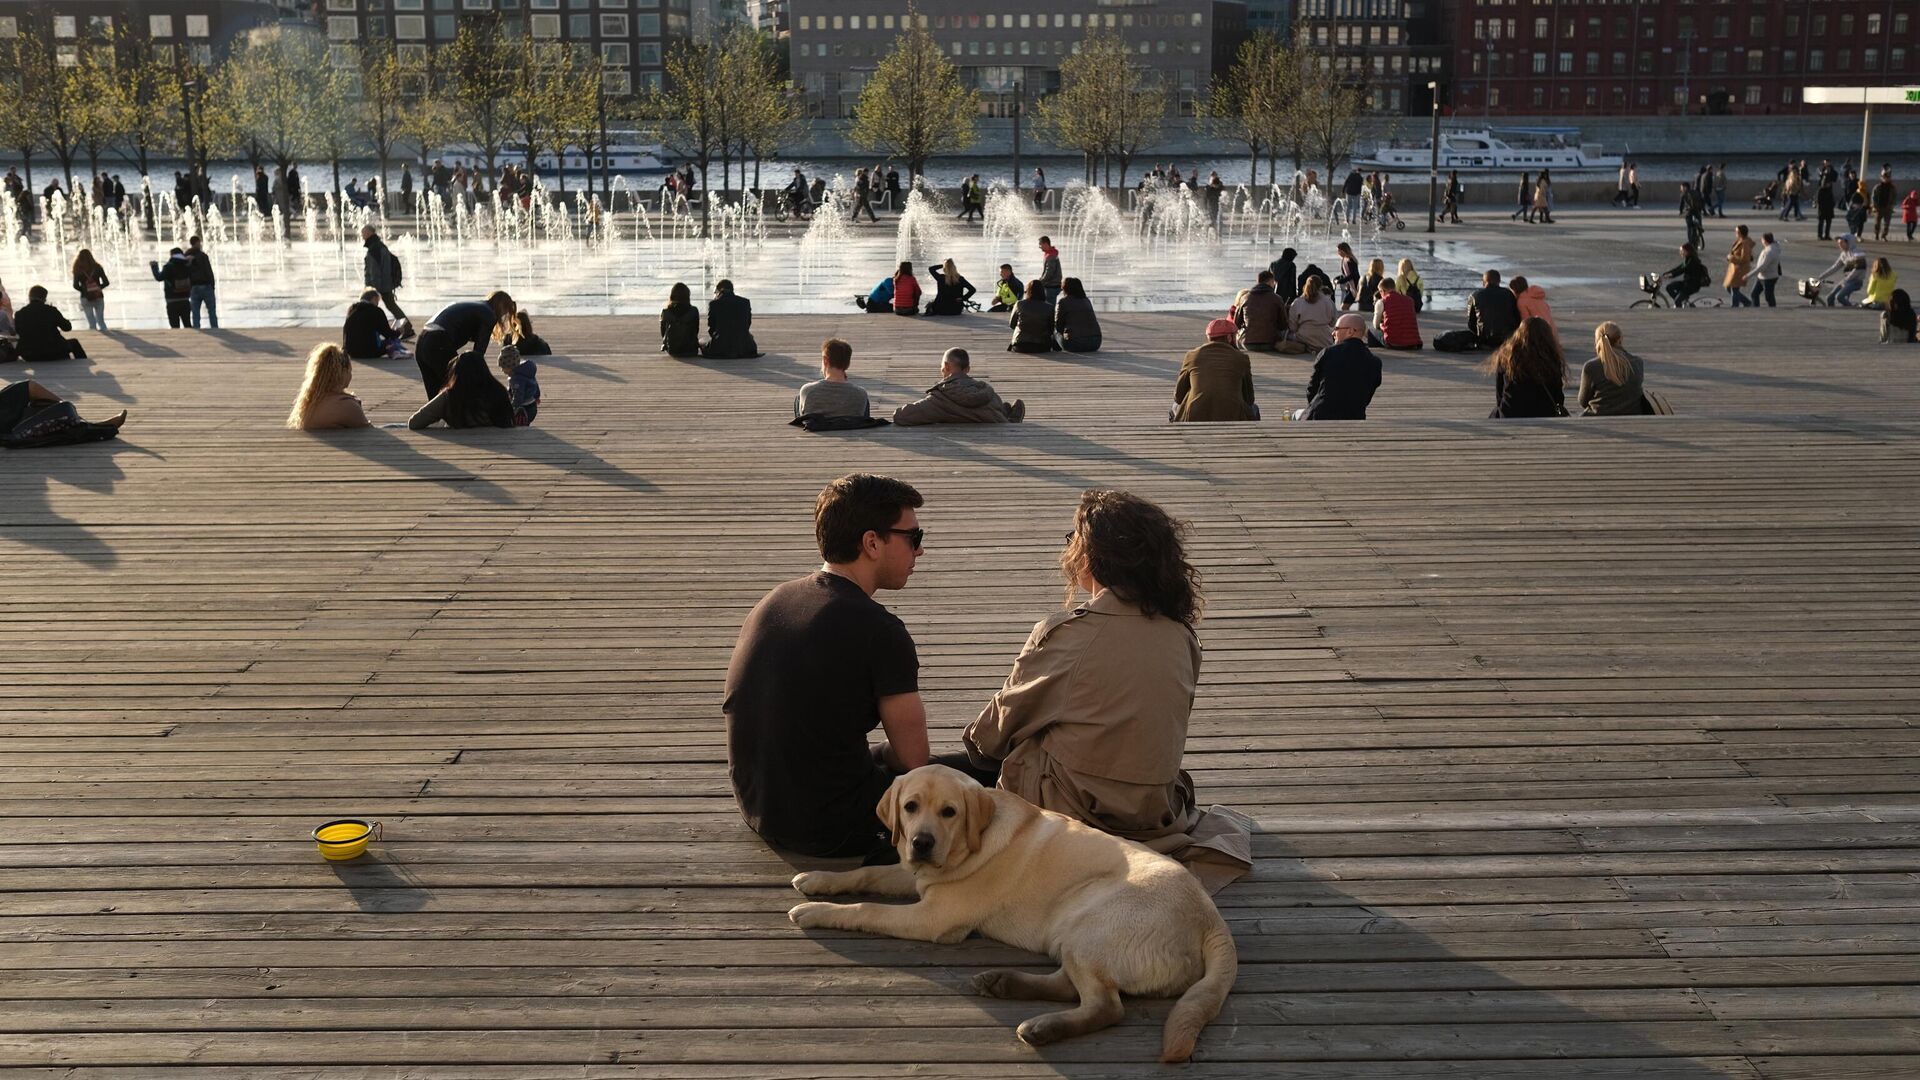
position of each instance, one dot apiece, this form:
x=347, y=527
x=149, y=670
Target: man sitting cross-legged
x=833, y=394
x=819, y=664
x=959, y=398
x=1345, y=374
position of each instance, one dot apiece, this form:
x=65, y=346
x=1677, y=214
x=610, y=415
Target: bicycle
x=1657, y=297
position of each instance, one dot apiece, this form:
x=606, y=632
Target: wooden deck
x=1579, y=748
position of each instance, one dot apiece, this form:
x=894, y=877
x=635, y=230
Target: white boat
x=1494, y=149
x=622, y=157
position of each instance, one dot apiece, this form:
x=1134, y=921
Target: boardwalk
x=1579, y=748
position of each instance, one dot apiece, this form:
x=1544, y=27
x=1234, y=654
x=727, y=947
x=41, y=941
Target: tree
x=93, y=106
x=386, y=84
x=770, y=113
x=149, y=92
x=1330, y=118
x=1137, y=104
x=1257, y=102
x=915, y=106
x=268, y=87
x=23, y=81
x=684, y=115
x=1075, y=117
x=479, y=75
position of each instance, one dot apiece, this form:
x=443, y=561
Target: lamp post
x=1433, y=166
x=1016, y=134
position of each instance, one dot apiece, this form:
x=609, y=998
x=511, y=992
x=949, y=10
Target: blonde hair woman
x=1370, y=284
x=1411, y=285
x=1610, y=383
x=323, y=401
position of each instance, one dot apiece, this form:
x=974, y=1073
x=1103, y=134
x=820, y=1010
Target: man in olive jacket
x=1216, y=380
x=959, y=398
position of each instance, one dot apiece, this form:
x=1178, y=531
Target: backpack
x=399, y=276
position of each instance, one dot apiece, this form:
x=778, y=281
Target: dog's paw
x=810, y=916
x=814, y=883
x=1040, y=1031
x=992, y=984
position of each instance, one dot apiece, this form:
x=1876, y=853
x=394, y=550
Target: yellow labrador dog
x=1119, y=917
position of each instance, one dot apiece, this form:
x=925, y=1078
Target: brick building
x=1646, y=57
x=631, y=36
x=837, y=44
x=201, y=28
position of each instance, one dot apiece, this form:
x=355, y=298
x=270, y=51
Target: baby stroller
x=1388, y=215
x=1764, y=200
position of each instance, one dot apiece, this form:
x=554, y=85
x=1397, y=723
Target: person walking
x=972, y=201
x=1051, y=275
x=863, y=196
x=1823, y=204
x=1882, y=199
x=383, y=275
x=1910, y=213
x=1450, y=210
x=1525, y=208
x=200, y=294
x=176, y=286
x=1691, y=211
x=90, y=281
x=1620, y=190
x=1791, y=185
x=1543, y=199
x=1766, y=271
x=1633, y=186
x=1739, y=262
x=1040, y=190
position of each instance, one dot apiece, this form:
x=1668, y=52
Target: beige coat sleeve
x=1028, y=701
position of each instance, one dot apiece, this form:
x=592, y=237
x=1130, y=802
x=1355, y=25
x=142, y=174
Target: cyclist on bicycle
x=1686, y=279
x=796, y=192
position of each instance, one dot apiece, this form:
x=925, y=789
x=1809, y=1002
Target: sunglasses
x=916, y=537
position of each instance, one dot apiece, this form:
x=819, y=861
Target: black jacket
x=467, y=323
x=950, y=297
x=1492, y=315
x=1344, y=378
x=174, y=277
x=200, y=268
x=680, y=330
x=1032, y=324
x=39, y=326
x=1692, y=273
x=378, y=266
x=366, y=331
x=1075, y=322
x=1285, y=279
x=729, y=317
x=1526, y=399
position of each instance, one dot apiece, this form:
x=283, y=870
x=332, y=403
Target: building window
x=1539, y=63
x=478, y=5
x=100, y=25
x=66, y=55
x=647, y=53
x=1756, y=61
x=1897, y=59
x=1566, y=63
x=1846, y=26
x=616, y=54
x=1539, y=95
x=160, y=26
x=618, y=83
x=1757, y=26
x=1900, y=24
x=1540, y=27
x=339, y=5
x=10, y=26
x=410, y=26
x=342, y=28
x=646, y=25
x=1645, y=96
x=613, y=26
x=1872, y=59
x=64, y=26
x=1790, y=60
x=1593, y=96
x=1722, y=26
x=1718, y=62
x=1593, y=63
x=544, y=26
x=1816, y=59
x=1753, y=95
x=579, y=27
x=196, y=26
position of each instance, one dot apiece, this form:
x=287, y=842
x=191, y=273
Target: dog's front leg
x=923, y=921
x=895, y=880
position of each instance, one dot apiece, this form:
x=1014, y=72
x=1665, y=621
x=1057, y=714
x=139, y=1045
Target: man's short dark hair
x=37, y=294
x=1266, y=277
x=1044, y=240
x=838, y=354
x=1519, y=284
x=1008, y=267
x=1491, y=277
x=193, y=241
x=958, y=358
x=855, y=505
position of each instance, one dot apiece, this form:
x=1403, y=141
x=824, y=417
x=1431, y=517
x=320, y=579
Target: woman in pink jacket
x=1533, y=302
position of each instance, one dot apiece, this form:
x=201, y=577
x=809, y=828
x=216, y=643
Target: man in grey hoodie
x=959, y=398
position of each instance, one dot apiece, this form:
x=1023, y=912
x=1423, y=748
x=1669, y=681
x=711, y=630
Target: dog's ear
x=980, y=807
x=889, y=810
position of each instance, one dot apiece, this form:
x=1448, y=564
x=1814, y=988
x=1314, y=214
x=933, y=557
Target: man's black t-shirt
x=803, y=690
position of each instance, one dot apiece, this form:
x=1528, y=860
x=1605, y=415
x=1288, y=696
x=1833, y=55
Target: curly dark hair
x=1135, y=549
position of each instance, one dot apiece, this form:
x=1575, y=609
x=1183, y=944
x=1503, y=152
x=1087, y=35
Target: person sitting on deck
x=1074, y=319
x=1612, y=383
x=906, y=291
x=1393, y=318
x=959, y=398
x=1493, y=314
x=472, y=398
x=1529, y=374
x=1310, y=318
x=1531, y=302
x=1092, y=720
x=952, y=291
x=832, y=394
x=879, y=301
x=323, y=401
x=1032, y=323
x=32, y=416
x=39, y=325
x=368, y=334
x=729, y=325
x=1216, y=380
x=1261, y=316
x=525, y=340
x=1345, y=374
x=1006, y=291
x=680, y=323
x=1897, y=325
x=819, y=664
x=523, y=384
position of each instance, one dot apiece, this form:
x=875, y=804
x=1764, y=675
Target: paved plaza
x=1577, y=748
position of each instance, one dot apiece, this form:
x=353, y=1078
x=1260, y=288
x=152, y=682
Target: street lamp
x=1433, y=166
x=1016, y=135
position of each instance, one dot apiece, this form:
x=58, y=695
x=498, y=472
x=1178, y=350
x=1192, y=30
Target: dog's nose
x=922, y=843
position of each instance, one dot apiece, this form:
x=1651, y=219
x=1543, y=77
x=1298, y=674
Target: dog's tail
x=1202, y=1001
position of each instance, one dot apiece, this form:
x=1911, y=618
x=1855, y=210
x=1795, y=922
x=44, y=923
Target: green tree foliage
x=1109, y=107
x=1258, y=103
x=1330, y=118
x=388, y=84
x=278, y=89
x=685, y=114
x=478, y=76
x=915, y=106
x=22, y=81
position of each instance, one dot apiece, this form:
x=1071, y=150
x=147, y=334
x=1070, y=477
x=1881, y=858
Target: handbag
x=1657, y=404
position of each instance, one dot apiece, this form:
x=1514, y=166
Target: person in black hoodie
x=456, y=327
x=952, y=289
x=1285, y=277
x=382, y=271
x=367, y=335
x=680, y=323
x=1312, y=271
x=1529, y=374
x=176, y=285
x=39, y=325
x=472, y=398
x=1492, y=312
x=729, y=325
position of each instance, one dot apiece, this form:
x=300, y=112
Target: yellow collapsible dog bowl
x=345, y=839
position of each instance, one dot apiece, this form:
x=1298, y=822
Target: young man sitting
x=959, y=398
x=1007, y=291
x=819, y=664
x=832, y=394
x=39, y=326
x=1393, y=318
